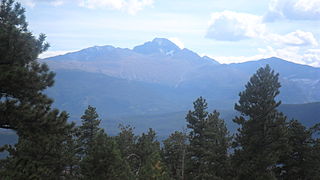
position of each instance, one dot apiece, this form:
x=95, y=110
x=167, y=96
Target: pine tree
x=89, y=128
x=39, y=152
x=103, y=161
x=22, y=78
x=24, y=107
x=148, y=150
x=174, y=154
x=262, y=136
x=100, y=156
x=127, y=143
x=72, y=154
x=209, y=142
x=302, y=160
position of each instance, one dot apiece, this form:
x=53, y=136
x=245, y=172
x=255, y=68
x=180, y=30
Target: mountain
x=159, y=61
x=308, y=113
x=158, y=78
x=157, y=46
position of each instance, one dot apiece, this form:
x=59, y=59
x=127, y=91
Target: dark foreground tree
x=262, y=136
x=22, y=77
x=174, y=154
x=302, y=160
x=148, y=150
x=127, y=143
x=209, y=142
x=24, y=107
x=100, y=155
x=103, y=161
x=39, y=153
x=72, y=152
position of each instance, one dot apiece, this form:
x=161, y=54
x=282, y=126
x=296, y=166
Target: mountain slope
x=74, y=90
x=308, y=114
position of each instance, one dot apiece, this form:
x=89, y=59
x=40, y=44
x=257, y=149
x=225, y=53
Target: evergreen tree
x=22, y=78
x=262, y=136
x=209, y=142
x=89, y=128
x=103, y=161
x=174, y=154
x=126, y=140
x=24, y=107
x=302, y=160
x=72, y=154
x=148, y=150
x=127, y=143
x=39, y=152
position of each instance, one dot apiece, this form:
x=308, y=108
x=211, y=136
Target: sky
x=229, y=31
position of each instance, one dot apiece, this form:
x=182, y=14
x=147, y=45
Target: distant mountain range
x=159, y=78
x=159, y=61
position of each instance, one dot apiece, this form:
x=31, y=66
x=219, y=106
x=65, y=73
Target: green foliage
x=103, y=161
x=148, y=150
x=262, y=136
x=89, y=128
x=22, y=78
x=209, y=142
x=302, y=160
x=39, y=154
x=174, y=154
x=100, y=155
x=24, y=108
x=127, y=143
x=72, y=154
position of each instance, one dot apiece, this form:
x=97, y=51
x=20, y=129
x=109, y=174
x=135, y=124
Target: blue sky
x=226, y=30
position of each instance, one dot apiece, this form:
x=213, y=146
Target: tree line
x=266, y=146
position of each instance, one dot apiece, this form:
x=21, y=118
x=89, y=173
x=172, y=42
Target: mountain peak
x=163, y=42
x=157, y=46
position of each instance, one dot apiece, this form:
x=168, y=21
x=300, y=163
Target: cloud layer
x=298, y=45
x=293, y=10
x=233, y=26
x=128, y=6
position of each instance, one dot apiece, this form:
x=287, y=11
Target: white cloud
x=57, y=3
x=312, y=57
x=298, y=55
x=177, y=42
x=233, y=26
x=296, y=38
x=294, y=46
x=29, y=3
x=53, y=53
x=129, y=6
x=293, y=10
x=33, y=3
